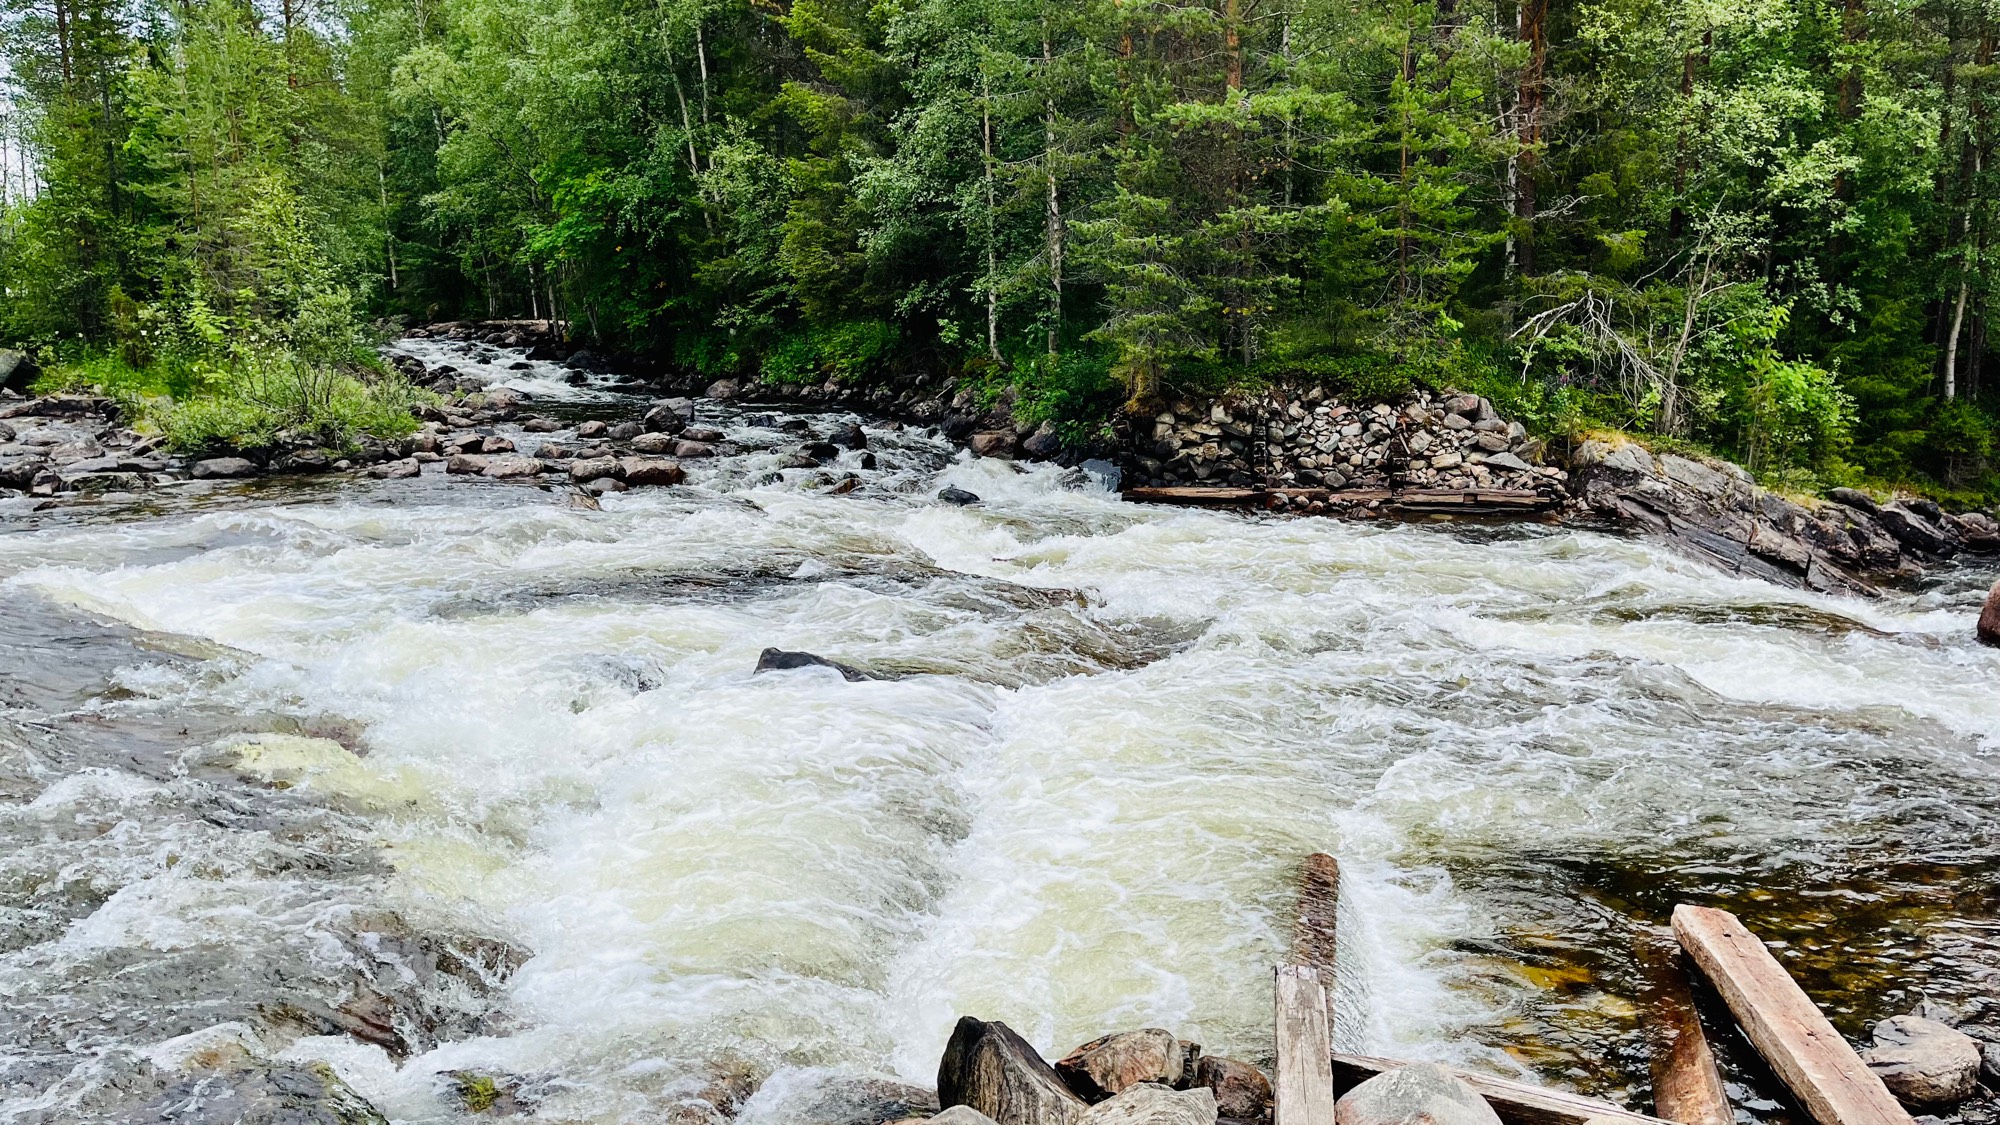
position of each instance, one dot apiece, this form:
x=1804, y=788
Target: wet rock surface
x=1418, y=1094
x=993, y=1070
x=1716, y=512
x=1924, y=1062
x=1105, y=1067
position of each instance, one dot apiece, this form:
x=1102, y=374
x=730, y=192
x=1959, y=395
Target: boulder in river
x=223, y=467
x=1106, y=1066
x=665, y=418
x=511, y=466
x=993, y=1070
x=1150, y=1103
x=722, y=390
x=1241, y=1090
x=992, y=443
x=595, y=428
x=583, y=470
x=780, y=660
x=466, y=464
x=962, y=1115
x=1924, y=1062
x=1989, y=617
x=1418, y=1094
x=655, y=443
x=650, y=470
x=952, y=494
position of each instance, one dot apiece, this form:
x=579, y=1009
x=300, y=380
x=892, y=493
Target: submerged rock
x=1924, y=1062
x=779, y=660
x=952, y=494
x=988, y=1067
x=1418, y=1094
x=1108, y=1065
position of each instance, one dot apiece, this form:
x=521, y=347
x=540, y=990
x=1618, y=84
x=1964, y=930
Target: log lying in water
x=1313, y=938
x=1407, y=499
x=1305, y=1045
x=1792, y=1034
x=1687, y=1087
x=1517, y=1103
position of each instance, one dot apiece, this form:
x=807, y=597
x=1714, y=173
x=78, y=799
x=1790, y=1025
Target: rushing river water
x=499, y=758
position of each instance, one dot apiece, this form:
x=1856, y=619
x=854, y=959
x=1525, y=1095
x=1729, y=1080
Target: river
x=501, y=760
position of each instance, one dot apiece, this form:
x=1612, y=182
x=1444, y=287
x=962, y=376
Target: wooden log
x=1687, y=1086
x=1784, y=1025
x=1179, y=495
x=1319, y=905
x=1305, y=1049
x=1517, y=1103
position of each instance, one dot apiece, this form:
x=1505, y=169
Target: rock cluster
x=1145, y=1077
x=1715, y=511
x=1308, y=438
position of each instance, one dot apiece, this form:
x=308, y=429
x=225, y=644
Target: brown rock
x=654, y=443
x=992, y=443
x=586, y=469
x=1150, y=1103
x=470, y=464
x=1106, y=1066
x=1989, y=618
x=993, y=1070
x=693, y=449
x=651, y=470
x=1241, y=1090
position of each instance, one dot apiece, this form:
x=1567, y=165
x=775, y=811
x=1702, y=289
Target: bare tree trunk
x=1533, y=27
x=992, y=252
x=1951, y=349
x=388, y=235
x=701, y=59
x=1055, y=217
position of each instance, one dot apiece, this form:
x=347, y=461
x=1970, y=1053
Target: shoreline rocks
x=1989, y=618
x=1924, y=1062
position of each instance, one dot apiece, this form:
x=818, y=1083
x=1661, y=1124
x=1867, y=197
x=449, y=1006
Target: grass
x=253, y=400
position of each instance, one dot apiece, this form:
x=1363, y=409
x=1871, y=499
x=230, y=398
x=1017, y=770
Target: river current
x=268, y=747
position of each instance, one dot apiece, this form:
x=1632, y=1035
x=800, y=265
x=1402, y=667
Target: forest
x=1759, y=228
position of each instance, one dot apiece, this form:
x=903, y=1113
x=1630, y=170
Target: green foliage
x=1766, y=229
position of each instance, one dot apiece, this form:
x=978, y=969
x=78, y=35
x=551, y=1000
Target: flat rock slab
x=1418, y=1094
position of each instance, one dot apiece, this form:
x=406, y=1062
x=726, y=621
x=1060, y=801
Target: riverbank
x=1299, y=450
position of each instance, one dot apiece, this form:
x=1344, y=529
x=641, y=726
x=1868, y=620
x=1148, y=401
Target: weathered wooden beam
x=1784, y=1025
x=1305, y=1048
x=1313, y=936
x=1687, y=1086
x=1517, y=1103
x=1193, y=495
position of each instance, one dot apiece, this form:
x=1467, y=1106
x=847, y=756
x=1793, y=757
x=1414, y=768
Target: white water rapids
x=1116, y=732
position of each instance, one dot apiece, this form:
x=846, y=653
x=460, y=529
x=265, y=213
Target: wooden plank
x=1305, y=1049
x=1319, y=906
x=1517, y=1103
x=1193, y=495
x=1784, y=1025
x=1687, y=1086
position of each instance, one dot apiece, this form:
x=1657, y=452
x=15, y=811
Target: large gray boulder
x=962, y=1115
x=1149, y=1103
x=1111, y=1064
x=1418, y=1094
x=1924, y=1062
x=993, y=1070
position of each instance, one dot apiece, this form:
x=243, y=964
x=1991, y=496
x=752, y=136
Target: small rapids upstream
x=444, y=775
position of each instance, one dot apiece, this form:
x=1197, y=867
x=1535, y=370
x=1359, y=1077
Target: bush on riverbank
x=208, y=386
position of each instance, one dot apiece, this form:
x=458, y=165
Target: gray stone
x=722, y=390
x=779, y=660
x=1108, y=1065
x=688, y=449
x=511, y=466
x=586, y=469
x=466, y=464
x=1853, y=498
x=592, y=429
x=962, y=1115
x=1104, y=472
x=655, y=443
x=1507, y=461
x=990, y=1068
x=1152, y=1104
x=992, y=443
x=951, y=494
x=1694, y=474
x=625, y=431
x=1923, y=1062
x=1418, y=1094
x=222, y=467
x=1912, y=530
x=396, y=470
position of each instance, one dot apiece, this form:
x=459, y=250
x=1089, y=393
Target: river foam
x=1081, y=807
